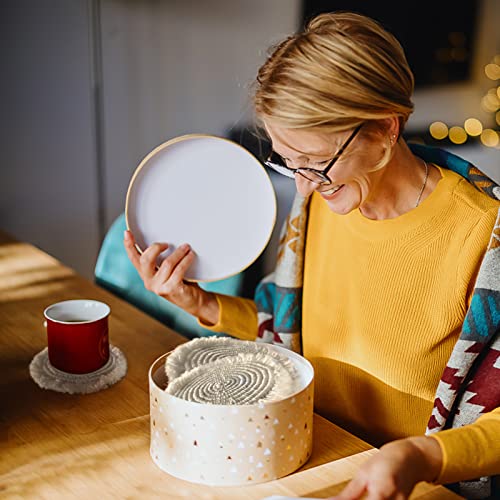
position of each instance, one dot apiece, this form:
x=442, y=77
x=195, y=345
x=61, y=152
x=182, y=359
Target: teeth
x=333, y=190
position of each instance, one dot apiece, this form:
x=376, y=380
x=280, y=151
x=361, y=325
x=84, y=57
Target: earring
x=393, y=139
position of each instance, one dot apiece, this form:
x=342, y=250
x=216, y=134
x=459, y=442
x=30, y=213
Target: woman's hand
x=395, y=470
x=168, y=282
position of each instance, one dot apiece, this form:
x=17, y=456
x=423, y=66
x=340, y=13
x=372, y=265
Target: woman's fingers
x=177, y=276
x=172, y=270
x=168, y=278
x=133, y=254
x=354, y=490
x=149, y=258
x=146, y=262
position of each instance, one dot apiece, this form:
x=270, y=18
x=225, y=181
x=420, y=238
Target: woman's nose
x=304, y=186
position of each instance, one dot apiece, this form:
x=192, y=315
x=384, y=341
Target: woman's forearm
x=432, y=456
x=208, y=310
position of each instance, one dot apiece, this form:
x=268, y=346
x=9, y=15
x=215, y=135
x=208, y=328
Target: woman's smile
x=328, y=194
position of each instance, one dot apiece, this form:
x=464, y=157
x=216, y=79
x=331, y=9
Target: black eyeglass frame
x=322, y=175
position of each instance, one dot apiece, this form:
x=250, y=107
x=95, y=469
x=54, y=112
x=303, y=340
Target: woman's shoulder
x=467, y=194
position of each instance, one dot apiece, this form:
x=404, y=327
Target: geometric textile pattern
x=483, y=317
x=495, y=238
x=482, y=182
x=279, y=295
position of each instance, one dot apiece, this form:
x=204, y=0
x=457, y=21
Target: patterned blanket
x=470, y=384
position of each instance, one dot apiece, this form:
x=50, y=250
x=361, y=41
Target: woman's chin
x=342, y=201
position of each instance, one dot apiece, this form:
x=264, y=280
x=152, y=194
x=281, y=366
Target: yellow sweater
x=383, y=305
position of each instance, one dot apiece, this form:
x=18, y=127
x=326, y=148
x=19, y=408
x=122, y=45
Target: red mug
x=77, y=335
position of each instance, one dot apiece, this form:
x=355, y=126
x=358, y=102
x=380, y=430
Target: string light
x=492, y=71
x=457, y=135
x=489, y=137
x=473, y=126
x=438, y=130
x=490, y=103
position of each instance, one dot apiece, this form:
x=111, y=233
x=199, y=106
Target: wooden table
x=57, y=445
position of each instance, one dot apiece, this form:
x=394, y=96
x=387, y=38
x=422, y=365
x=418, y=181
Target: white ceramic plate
x=206, y=191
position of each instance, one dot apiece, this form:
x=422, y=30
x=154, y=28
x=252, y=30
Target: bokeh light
x=473, y=126
x=490, y=103
x=438, y=130
x=457, y=135
x=489, y=138
x=492, y=71
x=493, y=93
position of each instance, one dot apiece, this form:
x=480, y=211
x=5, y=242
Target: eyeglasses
x=277, y=163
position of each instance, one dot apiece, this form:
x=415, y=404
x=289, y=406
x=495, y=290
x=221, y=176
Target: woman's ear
x=392, y=128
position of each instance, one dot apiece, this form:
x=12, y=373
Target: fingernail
x=185, y=246
x=126, y=235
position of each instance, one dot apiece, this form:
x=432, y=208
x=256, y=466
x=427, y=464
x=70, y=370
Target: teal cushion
x=115, y=272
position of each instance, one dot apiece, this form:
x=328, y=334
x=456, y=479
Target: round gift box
x=231, y=445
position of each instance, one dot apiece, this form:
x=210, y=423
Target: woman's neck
x=401, y=186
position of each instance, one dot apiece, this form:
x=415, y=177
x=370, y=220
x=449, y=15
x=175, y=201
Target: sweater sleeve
x=471, y=451
x=237, y=317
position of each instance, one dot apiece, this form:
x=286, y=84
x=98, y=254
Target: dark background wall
x=439, y=37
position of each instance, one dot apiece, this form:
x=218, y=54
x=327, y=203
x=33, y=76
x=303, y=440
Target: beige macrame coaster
x=226, y=371
x=237, y=380
x=205, y=350
x=47, y=376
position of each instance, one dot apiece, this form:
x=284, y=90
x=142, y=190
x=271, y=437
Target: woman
x=379, y=264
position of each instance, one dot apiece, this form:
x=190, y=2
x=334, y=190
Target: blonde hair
x=342, y=70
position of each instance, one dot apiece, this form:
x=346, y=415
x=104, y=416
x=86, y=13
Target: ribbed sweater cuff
x=471, y=451
x=237, y=317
